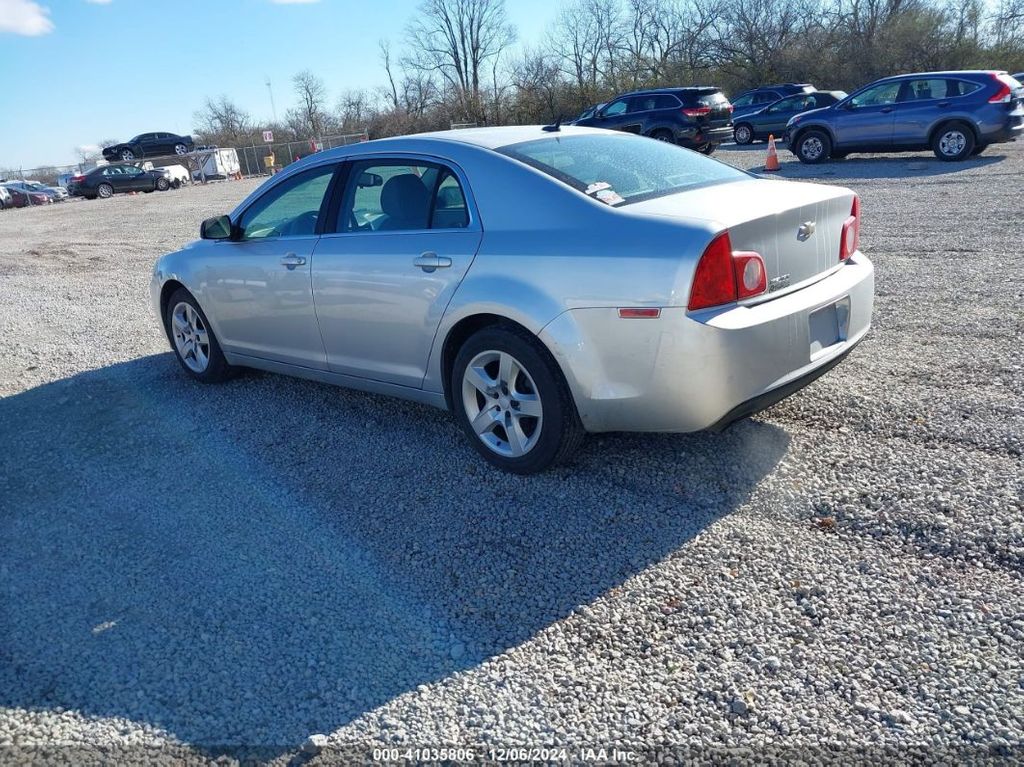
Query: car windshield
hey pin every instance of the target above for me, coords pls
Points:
(619, 169)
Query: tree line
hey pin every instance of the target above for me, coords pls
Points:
(458, 60)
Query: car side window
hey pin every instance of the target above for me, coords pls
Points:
(923, 90)
(289, 209)
(744, 101)
(397, 195)
(643, 104)
(616, 108)
(877, 96)
(665, 101)
(766, 98)
(450, 210)
(783, 106)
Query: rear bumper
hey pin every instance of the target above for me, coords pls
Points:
(686, 372)
(696, 136)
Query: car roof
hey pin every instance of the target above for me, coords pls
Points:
(487, 138)
(946, 73)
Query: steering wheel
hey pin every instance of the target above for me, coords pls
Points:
(304, 223)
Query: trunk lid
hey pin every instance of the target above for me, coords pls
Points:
(795, 227)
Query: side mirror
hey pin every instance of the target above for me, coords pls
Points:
(216, 228)
(370, 179)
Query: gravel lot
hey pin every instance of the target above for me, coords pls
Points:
(251, 564)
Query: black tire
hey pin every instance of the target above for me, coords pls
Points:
(707, 148)
(813, 147)
(561, 431)
(664, 135)
(218, 369)
(162, 184)
(953, 141)
(104, 191)
(743, 134)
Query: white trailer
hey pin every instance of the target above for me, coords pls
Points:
(217, 163)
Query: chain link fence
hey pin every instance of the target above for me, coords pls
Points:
(253, 160)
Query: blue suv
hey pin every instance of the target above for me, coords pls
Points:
(955, 114)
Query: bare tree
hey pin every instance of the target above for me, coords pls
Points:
(309, 118)
(457, 40)
(222, 121)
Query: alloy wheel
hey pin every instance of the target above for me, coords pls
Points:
(812, 148)
(502, 403)
(742, 135)
(180, 149)
(191, 337)
(952, 143)
(127, 155)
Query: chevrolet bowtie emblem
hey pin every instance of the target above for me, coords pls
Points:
(805, 231)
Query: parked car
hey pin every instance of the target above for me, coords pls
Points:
(758, 98)
(58, 193)
(149, 145)
(22, 197)
(5, 198)
(696, 117)
(176, 174)
(772, 119)
(956, 114)
(108, 180)
(538, 283)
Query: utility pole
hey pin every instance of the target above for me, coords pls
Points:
(273, 108)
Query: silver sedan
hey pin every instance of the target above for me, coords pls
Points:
(539, 283)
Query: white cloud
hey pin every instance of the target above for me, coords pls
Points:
(24, 17)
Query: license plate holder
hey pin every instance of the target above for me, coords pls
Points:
(828, 326)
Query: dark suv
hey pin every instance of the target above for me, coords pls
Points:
(699, 117)
(955, 114)
(759, 98)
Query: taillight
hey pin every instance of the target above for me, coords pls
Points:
(696, 111)
(723, 276)
(1003, 95)
(850, 239)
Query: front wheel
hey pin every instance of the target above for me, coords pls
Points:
(707, 148)
(953, 142)
(743, 134)
(180, 149)
(512, 402)
(813, 147)
(127, 155)
(664, 135)
(162, 184)
(193, 341)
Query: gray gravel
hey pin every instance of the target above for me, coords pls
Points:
(272, 560)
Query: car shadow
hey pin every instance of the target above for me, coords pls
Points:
(895, 166)
(247, 564)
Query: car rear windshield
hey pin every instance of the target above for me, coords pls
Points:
(618, 169)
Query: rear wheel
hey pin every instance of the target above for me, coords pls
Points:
(813, 147)
(664, 135)
(512, 402)
(104, 191)
(953, 142)
(707, 148)
(743, 134)
(193, 341)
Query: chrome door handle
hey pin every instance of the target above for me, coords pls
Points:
(430, 261)
(291, 261)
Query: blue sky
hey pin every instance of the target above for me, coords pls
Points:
(73, 72)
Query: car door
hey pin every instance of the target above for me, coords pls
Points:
(135, 179)
(774, 118)
(615, 116)
(258, 284)
(867, 118)
(406, 232)
(117, 178)
(920, 103)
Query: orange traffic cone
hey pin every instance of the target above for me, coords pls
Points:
(772, 163)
